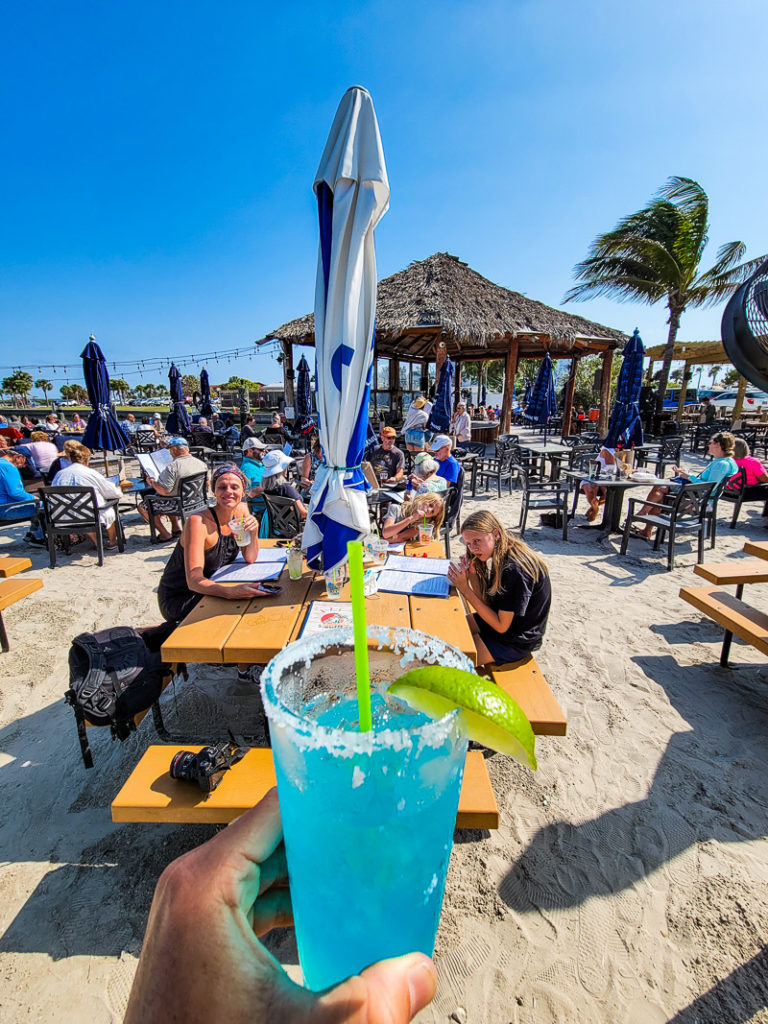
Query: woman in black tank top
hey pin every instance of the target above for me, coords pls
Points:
(207, 543)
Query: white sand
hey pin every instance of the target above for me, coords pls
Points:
(627, 879)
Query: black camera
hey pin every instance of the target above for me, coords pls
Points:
(207, 766)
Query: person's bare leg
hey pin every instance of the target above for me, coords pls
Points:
(655, 495)
(175, 526)
(590, 493)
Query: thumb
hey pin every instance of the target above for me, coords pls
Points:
(388, 992)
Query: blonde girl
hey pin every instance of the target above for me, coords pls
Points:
(507, 585)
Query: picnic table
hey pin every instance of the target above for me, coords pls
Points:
(218, 630)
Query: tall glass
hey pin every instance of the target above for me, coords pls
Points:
(368, 818)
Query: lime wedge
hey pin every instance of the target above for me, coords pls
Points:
(493, 718)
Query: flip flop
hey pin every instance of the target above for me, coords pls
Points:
(591, 515)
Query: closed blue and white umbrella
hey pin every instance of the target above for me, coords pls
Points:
(542, 403)
(626, 427)
(352, 195)
(440, 417)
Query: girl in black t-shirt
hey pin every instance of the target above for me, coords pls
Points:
(508, 586)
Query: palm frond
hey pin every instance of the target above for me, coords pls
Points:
(685, 193)
(720, 281)
(621, 287)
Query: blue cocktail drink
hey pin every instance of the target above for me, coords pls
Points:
(368, 818)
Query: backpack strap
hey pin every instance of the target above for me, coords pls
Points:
(82, 732)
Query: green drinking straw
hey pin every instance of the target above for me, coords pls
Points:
(357, 595)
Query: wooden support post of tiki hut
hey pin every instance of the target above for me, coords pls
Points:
(738, 405)
(290, 396)
(510, 372)
(570, 387)
(683, 388)
(605, 392)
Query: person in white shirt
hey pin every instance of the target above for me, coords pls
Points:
(79, 474)
(462, 424)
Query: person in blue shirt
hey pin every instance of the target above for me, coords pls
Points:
(722, 466)
(448, 467)
(11, 492)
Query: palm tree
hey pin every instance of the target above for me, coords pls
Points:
(654, 255)
(45, 386)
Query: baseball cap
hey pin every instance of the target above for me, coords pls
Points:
(181, 442)
(388, 432)
(439, 441)
(253, 442)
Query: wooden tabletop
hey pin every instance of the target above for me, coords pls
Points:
(218, 630)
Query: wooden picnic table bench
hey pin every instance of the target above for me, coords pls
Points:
(13, 590)
(151, 795)
(729, 610)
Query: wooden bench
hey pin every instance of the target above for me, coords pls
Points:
(12, 591)
(525, 683)
(735, 616)
(10, 566)
(151, 795)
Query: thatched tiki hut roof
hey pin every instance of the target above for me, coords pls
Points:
(441, 299)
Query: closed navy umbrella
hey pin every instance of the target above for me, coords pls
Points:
(626, 427)
(206, 409)
(103, 432)
(440, 417)
(303, 422)
(543, 401)
(178, 421)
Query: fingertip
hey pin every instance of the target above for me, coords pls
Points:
(422, 981)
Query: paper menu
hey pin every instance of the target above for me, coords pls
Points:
(420, 584)
(153, 463)
(324, 615)
(413, 563)
(240, 571)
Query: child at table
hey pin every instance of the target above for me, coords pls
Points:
(507, 584)
(401, 522)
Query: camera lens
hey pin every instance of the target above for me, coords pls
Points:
(184, 766)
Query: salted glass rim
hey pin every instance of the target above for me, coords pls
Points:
(346, 741)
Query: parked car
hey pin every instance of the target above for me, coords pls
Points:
(724, 401)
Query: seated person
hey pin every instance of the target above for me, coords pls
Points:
(168, 484)
(447, 466)
(252, 469)
(721, 466)
(157, 425)
(206, 544)
(52, 424)
(507, 584)
(229, 431)
(12, 491)
(311, 461)
(594, 493)
(274, 481)
(401, 521)
(756, 484)
(129, 424)
(41, 449)
(65, 459)
(249, 428)
(387, 460)
(277, 427)
(424, 477)
(78, 423)
(79, 474)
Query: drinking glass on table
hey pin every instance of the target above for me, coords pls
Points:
(335, 580)
(295, 559)
(368, 818)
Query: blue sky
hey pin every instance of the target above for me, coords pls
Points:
(159, 157)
